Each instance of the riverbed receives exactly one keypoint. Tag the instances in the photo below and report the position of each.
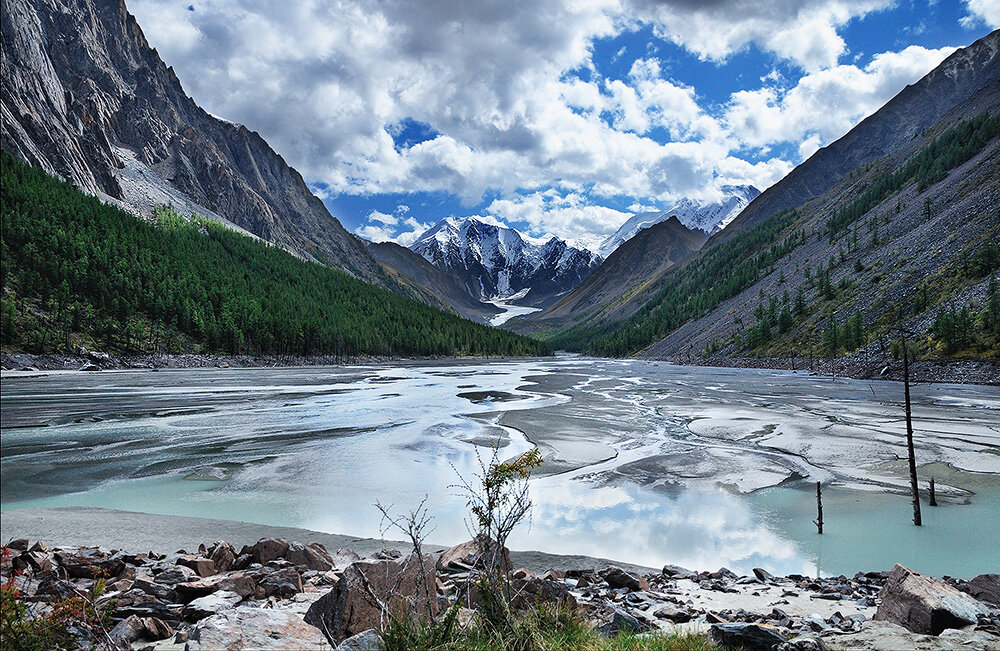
(646, 462)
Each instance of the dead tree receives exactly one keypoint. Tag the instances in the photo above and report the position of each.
(819, 508)
(914, 489)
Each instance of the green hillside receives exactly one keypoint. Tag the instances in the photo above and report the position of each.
(77, 271)
(805, 310)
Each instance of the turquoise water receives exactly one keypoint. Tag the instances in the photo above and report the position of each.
(316, 448)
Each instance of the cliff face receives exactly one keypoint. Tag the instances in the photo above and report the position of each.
(84, 96)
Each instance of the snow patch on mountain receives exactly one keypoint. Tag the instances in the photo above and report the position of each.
(696, 215)
(498, 262)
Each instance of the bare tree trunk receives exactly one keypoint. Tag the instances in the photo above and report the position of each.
(933, 498)
(819, 508)
(909, 438)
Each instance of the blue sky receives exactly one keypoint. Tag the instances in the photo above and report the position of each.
(553, 117)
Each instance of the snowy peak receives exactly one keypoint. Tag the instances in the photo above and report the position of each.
(708, 217)
(495, 261)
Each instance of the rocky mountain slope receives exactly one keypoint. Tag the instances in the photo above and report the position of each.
(905, 117)
(708, 217)
(631, 269)
(433, 286)
(493, 261)
(85, 97)
(906, 237)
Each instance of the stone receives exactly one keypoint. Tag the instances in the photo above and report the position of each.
(223, 555)
(21, 544)
(209, 605)
(156, 629)
(312, 556)
(676, 572)
(470, 554)
(251, 627)
(762, 574)
(161, 591)
(39, 547)
(176, 574)
(622, 622)
(53, 589)
(406, 589)
(89, 563)
(808, 642)
(238, 582)
(89, 367)
(986, 587)
(531, 590)
(671, 613)
(618, 578)
(747, 637)
(280, 583)
(925, 605)
(269, 549)
(368, 640)
(127, 631)
(202, 566)
(136, 602)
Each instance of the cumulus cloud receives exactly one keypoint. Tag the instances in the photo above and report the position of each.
(986, 12)
(330, 84)
(824, 105)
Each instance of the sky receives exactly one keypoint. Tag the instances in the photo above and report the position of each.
(559, 117)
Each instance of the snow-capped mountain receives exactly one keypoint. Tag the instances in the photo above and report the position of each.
(499, 262)
(695, 215)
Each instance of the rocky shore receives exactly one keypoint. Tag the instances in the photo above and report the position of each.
(101, 361)
(277, 594)
(951, 371)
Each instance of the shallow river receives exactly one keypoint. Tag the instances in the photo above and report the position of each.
(645, 462)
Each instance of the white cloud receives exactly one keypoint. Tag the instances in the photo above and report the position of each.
(824, 105)
(986, 12)
(327, 84)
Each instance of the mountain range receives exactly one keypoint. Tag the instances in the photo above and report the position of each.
(894, 225)
(708, 217)
(496, 262)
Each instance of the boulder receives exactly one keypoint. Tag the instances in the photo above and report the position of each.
(280, 583)
(368, 640)
(52, 589)
(156, 629)
(677, 572)
(618, 578)
(986, 587)
(808, 642)
(209, 605)
(223, 556)
(89, 563)
(161, 591)
(202, 566)
(531, 590)
(762, 574)
(925, 605)
(312, 556)
(403, 586)
(127, 631)
(268, 549)
(21, 545)
(176, 574)
(671, 613)
(470, 554)
(747, 637)
(251, 627)
(238, 582)
(622, 622)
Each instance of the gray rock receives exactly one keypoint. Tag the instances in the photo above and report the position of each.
(176, 574)
(368, 640)
(747, 637)
(251, 627)
(269, 549)
(808, 642)
(402, 585)
(622, 622)
(618, 578)
(472, 554)
(207, 606)
(986, 587)
(312, 556)
(923, 604)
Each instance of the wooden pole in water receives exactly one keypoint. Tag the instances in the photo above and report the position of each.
(909, 437)
(933, 499)
(819, 508)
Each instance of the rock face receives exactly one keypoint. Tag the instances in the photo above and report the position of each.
(249, 627)
(84, 96)
(925, 605)
(351, 608)
(493, 261)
